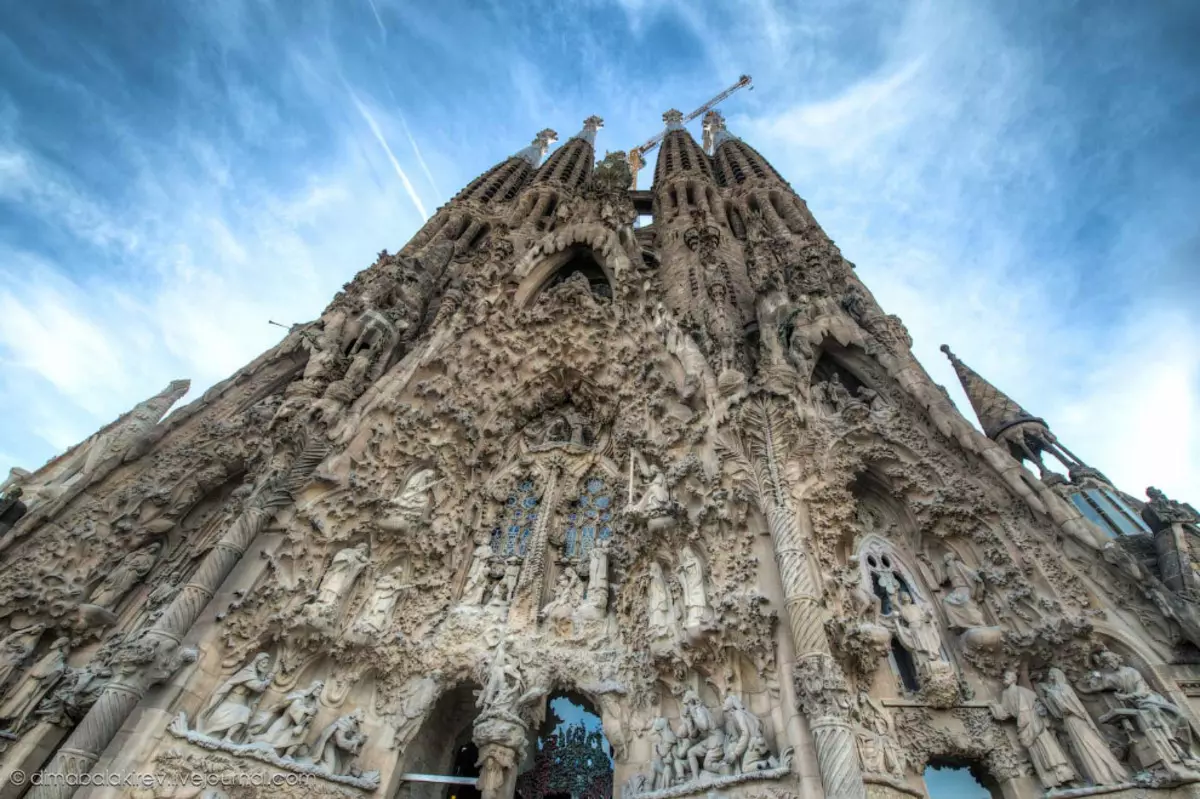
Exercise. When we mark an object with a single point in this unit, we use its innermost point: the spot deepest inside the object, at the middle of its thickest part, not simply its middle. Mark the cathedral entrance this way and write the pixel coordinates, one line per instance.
(570, 758)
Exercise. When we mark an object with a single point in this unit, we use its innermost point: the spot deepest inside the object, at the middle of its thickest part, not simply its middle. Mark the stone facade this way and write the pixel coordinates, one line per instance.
(689, 474)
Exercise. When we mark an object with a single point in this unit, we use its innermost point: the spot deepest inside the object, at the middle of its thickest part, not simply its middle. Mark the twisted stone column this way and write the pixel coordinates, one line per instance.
(820, 685)
(527, 599)
(146, 661)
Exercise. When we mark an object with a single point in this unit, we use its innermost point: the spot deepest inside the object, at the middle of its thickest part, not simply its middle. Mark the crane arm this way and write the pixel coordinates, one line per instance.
(636, 161)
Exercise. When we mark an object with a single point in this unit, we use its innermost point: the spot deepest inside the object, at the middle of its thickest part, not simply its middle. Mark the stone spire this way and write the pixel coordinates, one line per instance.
(715, 131)
(673, 119)
(536, 151)
(996, 411)
(1026, 436)
(590, 126)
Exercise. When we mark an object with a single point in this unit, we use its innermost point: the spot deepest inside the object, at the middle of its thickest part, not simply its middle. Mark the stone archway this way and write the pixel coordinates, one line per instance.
(569, 756)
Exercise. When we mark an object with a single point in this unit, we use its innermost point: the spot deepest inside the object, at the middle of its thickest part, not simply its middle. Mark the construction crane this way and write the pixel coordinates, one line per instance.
(636, 155)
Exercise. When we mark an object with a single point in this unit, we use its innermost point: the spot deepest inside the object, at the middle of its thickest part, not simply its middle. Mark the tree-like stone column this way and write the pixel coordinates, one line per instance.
(153, 656)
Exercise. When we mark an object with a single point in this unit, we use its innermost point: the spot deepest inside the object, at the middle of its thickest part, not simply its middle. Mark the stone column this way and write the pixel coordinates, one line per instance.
(820, 685)
(143, 663)
(527, 599)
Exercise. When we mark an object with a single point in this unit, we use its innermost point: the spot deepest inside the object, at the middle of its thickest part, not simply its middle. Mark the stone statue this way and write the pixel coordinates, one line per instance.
(568, 592)
(656, 502)
(74, 695)
(1020, 704)
(1160, 512)
(746, 749)
(663, 764)
(706, 740)
(339, 580)
(412, 505)
(416, 699)
(1150, 718)
(229, 711)
(966, 586)
(35, 685)
(663, 618)
(837, 393)
(14, 650)
(695, 593)
(477, 576)
(284, 725)
(595, 602)
(131, 571)
(377, 612)
(504, 684)
(876, 733)
(339, 743)
(917, 628)
(1095, 759)
(504, 590)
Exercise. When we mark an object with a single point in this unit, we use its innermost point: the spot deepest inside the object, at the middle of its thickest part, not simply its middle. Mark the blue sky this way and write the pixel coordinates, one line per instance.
(1018, 179)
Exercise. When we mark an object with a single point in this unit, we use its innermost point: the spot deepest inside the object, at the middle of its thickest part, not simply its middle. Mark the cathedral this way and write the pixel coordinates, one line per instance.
(589, 492)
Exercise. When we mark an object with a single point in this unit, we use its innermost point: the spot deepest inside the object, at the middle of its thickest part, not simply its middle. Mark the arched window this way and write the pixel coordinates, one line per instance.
(890, 581)
(511, 535)
(1109, 512)
(959, 779)
(573, 758)
(590, 519)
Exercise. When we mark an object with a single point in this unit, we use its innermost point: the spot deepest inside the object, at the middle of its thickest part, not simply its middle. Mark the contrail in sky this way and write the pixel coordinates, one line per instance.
(408, 186)
(375, 11)
(420, 159)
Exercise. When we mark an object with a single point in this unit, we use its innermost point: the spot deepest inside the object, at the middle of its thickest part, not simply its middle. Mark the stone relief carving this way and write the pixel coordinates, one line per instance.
(412, 504)
(1020, 705)
(229, 710)
(1091, 754)
(34, 686)
(337, 583)
(376, 614)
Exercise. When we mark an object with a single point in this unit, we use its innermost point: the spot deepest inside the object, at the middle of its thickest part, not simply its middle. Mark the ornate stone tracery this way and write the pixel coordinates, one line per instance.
(689, 474)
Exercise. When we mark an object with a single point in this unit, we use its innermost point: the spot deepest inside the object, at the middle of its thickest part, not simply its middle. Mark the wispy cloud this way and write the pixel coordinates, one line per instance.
(408, 186)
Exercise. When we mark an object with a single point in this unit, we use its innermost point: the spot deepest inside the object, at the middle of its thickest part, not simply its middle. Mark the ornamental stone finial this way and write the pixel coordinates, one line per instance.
(537, 150)
(715, 131)
(674, 119)
(590, 126)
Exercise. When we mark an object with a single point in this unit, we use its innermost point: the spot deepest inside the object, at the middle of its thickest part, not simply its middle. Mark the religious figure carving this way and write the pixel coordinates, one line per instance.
(917, 628)
(505, 588)
(338, 581)
(284, 725)
(966, 587)
(746, 749)
(695, 592)
(228, 712)
(340, 743)
(1157, 728)
(35, 685)
(663, 616)
(131, 571)
(15, 648)
(74, 694)
(416, 699)
(876, 733)
(411, 506)
(1095, 760)
(477, 576)
(504, 684)
(662, 766)
(377, 612)
(705, 740)
(1020, 704)
(568, 593)
(656, 502)
(595, 603)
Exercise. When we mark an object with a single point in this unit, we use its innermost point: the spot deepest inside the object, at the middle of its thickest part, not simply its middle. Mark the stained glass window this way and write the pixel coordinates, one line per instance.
(590, 518)
(511, 535)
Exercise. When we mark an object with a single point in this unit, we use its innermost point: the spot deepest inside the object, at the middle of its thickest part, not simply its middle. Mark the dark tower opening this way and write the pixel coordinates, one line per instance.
(582, 261)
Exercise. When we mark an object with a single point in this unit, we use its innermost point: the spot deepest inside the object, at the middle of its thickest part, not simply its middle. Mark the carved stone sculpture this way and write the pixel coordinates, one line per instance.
(1095, 760)
(338, 581)
(377, 613)
(705, 740)
(340, 743)
(917, 629)
(746, 749)
(284, 725)
(1020, 705)
(412, 505)
(416, 698)
(962, 612)
(229, 710)
(878, 748)
(595, 603)
(662, 767)
(35, 685)
(1156, 727)
(697, 611)
(131, 571)
(477, 576)
(568, 593)
(664, 620)
(15, 649)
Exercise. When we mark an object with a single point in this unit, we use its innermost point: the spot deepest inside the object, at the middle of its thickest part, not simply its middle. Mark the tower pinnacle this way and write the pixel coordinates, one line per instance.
(715, 131)
(590, 126)
(537, 149)
(674, 119)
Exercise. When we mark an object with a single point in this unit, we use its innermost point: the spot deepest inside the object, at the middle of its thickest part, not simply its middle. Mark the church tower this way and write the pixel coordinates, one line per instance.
(592, 490)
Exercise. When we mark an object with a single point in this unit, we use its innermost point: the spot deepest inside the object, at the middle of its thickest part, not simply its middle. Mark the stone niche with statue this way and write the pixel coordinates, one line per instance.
(550, 504)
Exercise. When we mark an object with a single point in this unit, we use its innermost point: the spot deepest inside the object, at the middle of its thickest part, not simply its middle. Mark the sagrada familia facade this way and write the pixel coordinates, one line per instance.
(592, 491)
